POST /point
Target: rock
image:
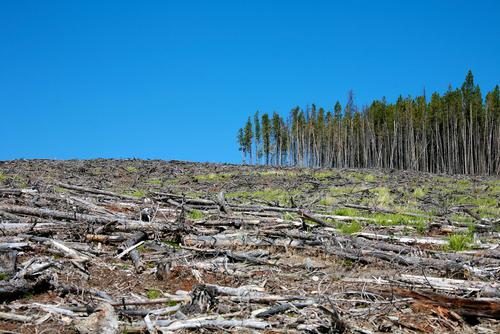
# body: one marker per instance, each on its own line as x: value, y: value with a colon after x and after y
x: 103, y: 321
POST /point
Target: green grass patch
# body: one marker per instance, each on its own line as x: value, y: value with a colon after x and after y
x: 131, y: 169
x: 288, y: 216
x: 458, y: 242
x: 153, y: 293
x: 3, y: 177
x: 3, y: 277
x: 383, y: 196
x: 370, y: 178
x: 323, y: 175
x: 155, y: 182
x: 287, y: 173
x: 173, y: 244
x: 419, y: 192
x: 195, y: 214
x: 346, y: 212
x: 212, y: 177
x: 390, y: 219
x: 420, y: 226
x: 138, y: 193
x: 349, y: 228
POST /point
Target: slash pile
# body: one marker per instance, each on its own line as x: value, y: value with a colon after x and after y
x: 113, y: 246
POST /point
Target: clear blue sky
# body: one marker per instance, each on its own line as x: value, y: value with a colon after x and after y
x: 175, y: 80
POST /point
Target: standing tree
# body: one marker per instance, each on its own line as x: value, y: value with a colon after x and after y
x: 258, y: 150
x: 248, y: 138
x: 266, y: 136
x: 241, y: 143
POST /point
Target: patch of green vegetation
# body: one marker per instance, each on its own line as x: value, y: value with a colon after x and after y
x: 131, y: 169
x: 60, y: 190
x: 155, y: 182
x: 278, y: 172
x: 494, y: 188
x: 347, y: 263
x: 480, y: 201
x: 195, y: 214
x: 383, y: 196
x: 137, y: 193
x: 288, y: 216
x: 171, y: 243
x: 3, y: 177
x: 153, y: 293
x: 346, y: 212
x: 461, y: 218
x: 323, y: 175
x: 357, y: 176
x: 97, y: 171
x: 443, y: 179
x: 458, y: 242
x: 390, y: 219
x: 419, y: 192
x: 327, y: 201
x: 212, y: 177
x: 28, y: 295
x: 350, y: 228
x: 171, y: 303
x: 420, y: 226
x: 3, y: 277
x: 370, y: 178
x: 143, y: 249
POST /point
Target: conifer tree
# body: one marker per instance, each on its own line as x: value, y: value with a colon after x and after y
x: 266, y: 136
x: 248, y: 138
x: 258, y: 150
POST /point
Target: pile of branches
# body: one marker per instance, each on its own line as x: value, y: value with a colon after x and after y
x: 238, y: 266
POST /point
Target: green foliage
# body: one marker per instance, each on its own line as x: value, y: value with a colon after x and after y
x: 288, y: 216
x: 153, y: 293
x: 3, y: 277
x: 212, y: 177
x: 138, y: 193
x: 323, y: 175
x: 171, y: 243
x: 3, y: 177
x: 419, y: 192
x: 132, y: 169
x: 458, y: 242
x: 278, y: 172
x: 195, y: 214
x: 154, y: 181
x: 390, y: 219
x: 420, y: 226
x: 350, y: 228
x: 370, y: 178
x: 346, y: 212
x: 383, y: 196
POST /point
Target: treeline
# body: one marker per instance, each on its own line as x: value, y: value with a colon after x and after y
x: 457, y: 133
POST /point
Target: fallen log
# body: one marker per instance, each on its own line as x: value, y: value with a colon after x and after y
x: 468, y: 307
